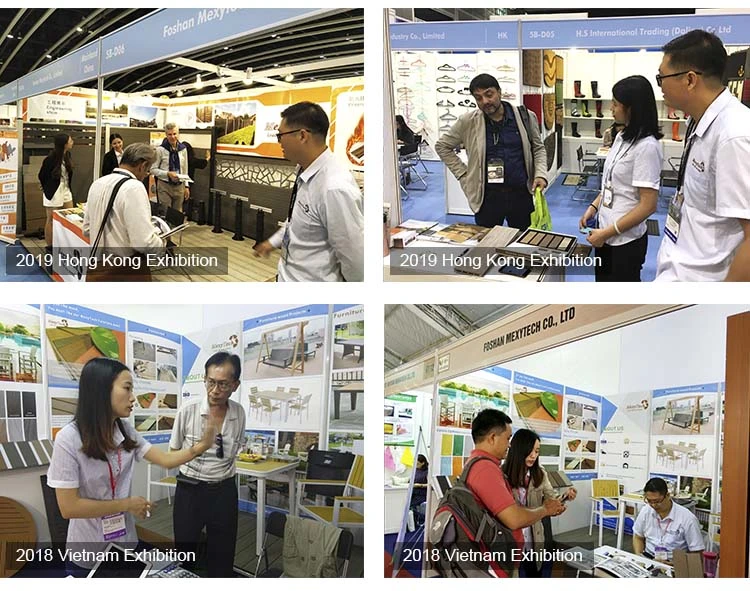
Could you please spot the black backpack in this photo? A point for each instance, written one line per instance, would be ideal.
(465, 539)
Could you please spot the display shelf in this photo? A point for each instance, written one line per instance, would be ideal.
(582, 118)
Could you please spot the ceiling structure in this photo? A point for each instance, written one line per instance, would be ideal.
(322, 48)
(412, 330)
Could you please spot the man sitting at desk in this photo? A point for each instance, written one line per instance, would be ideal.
(663, 525)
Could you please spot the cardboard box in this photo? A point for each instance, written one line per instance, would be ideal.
(687, 565)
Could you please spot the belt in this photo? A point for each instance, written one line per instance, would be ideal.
(196, 482)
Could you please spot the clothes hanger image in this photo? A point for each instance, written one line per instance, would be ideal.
(446, 68)
(446, 90)
(445, 103)
(447, 116)
(445, 79)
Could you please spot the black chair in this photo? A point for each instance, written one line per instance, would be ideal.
(327, 465)
(58, 525)
(587, 167)
(408, 160)
(275, 525)
(670, 176)
(174, 217)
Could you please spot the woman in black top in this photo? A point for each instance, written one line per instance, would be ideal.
(56, 176)
(404, 134)
(112, 158)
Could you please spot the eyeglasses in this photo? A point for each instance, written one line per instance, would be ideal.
(278, 135)
(659, 77)
(223, 386)
(220, 444)
(654, 502)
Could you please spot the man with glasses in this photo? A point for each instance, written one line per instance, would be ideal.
(663, 526)
(323, 239)
(206, 490)
(707, 233)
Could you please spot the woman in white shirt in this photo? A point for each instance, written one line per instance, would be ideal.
(630, 184)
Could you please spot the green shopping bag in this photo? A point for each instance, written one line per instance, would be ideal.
(540, 217)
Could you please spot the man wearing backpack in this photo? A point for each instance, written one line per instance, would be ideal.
(507, 160)
(491, 432)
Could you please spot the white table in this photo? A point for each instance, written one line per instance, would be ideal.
(284, 397)
(262, 471)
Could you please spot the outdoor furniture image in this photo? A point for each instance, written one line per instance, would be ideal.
(351, 388)
(6, 365)
(292, 357)
(351, 347)
(689, 417)
(281, 400)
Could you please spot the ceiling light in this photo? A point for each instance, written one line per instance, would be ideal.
(248, 79)
(49, 57)
(180, 93)
(276, 65)
(322, 57)
(223, 88)
(79, 29)
(11, 37)
(274, 36)
(288, 77)
(198, 81)
(174, 65)
(226, 49)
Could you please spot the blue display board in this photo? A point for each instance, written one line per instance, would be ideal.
(74, 68)
(175, 31)
(9, 93)
(620, 33)
(452, 36)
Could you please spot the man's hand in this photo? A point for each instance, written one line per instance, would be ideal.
(572, 493)
(187, 193)
(263, 249)
(208, 154)
(553, 507)
(172, 175)
(538, 182)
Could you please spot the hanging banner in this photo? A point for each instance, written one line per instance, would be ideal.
(154, 355)
(537, 404)
(346, 403)
(23, 414)
(57, 108)
(347, 127)
(283, 358)
(453, 36)
(8, 182)
(76, 335)
(78, 66)
(399, 426)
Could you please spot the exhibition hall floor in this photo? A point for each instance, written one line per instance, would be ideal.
(429, 205)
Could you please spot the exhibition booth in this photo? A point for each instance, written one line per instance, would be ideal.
(561, 68)
(618, 394)
(240, 185)
(297, 362)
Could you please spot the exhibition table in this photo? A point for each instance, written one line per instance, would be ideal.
(67, 233)
(284, 397)
(396, 499)
(351, 346)
(351, 388)
(269, 470)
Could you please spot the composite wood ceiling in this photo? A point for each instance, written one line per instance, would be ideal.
(30, 35)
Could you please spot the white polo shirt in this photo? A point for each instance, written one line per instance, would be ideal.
(630, 166)
(716, 196)
(679, 530)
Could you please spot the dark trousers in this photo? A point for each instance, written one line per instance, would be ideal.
(212, 506)
(527, 569)
(622, 263)
(513, 204)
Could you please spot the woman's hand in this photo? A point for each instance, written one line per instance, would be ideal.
(139, 507)
(587, 215)
(597, 238)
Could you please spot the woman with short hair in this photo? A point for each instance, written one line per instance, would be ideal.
(630, 184)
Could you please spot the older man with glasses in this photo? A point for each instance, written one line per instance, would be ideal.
(206, 491)
(663, 526)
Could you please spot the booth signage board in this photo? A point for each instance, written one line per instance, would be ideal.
(175, 31)
(9, 93)
(76, 67)
(648, 32)
(8, 182)
(455, 36)
(541, 328)
(411, 376)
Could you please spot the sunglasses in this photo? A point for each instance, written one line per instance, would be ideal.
(220, 444)
(659, 77)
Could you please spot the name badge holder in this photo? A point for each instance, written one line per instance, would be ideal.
(495, 171)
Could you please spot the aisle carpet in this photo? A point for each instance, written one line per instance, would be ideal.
(430, 205)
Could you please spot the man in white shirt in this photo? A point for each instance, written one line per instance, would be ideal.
(129, 231)
(323, 239)
(663, 526)
(707, 234)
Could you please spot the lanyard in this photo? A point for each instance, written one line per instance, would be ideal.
(112, 479)
(663, 531)
(617, 158)
(293, 199)
(689, 139)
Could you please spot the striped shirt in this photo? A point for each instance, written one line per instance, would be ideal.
(188, 429)
(71, 468)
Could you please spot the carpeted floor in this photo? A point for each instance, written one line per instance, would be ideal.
(565, 212)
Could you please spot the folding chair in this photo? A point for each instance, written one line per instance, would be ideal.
(587, 167)
(341, 514)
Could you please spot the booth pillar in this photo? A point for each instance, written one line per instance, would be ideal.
(735, 496)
